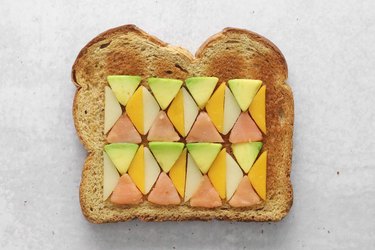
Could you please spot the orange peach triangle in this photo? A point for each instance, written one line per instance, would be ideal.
(245, 130)
(164, 192)
(126, 193)
(203, 130)
(245, 195)
(123, 131)
(206, 195)
(162, 129)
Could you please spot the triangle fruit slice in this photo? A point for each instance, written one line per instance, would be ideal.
(112, 109)
(164, 90)
(121, 154)
(123, 131)
(135, 111)
(206, 195)
(142, 109)
(126, 193)
(123, 86)
(110, 176)
(178, 173)
(233, 176)
(244, 91)
(245, 195)
(162, 129)
(246, 153)
(166, 153)
(164, 192)
(151, 109)
(203, 130)
(231, 111)
(258, 175)
(176, 113)
(215, 107)
(245, 130)
(152, 170)
(190, 111)
(204, 154)
(193, 178)
(257, 109)
(137, 169)
(217, 173)
(201, 88)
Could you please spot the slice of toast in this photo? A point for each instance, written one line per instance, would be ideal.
(232, 53)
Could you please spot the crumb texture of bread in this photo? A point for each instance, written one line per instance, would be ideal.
(232, 53)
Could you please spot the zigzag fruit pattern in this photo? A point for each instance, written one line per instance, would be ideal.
(165, 141)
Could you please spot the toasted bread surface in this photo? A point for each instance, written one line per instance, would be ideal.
(232, 53)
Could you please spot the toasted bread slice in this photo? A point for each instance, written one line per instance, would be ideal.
(232, 53)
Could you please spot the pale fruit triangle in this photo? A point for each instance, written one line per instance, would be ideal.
(164, 90)
(110, 176)
(112, 109)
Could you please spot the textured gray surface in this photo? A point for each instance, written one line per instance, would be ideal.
(329, 46)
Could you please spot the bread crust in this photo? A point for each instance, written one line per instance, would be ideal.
(232, 53)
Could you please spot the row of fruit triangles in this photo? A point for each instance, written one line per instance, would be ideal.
(223, 106)
(203, 130)
(204, 158)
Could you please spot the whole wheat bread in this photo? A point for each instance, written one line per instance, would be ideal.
(232, 53)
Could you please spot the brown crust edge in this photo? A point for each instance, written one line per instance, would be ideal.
(130, 27)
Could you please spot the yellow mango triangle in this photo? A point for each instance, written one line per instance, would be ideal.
(217, 173)
(134, 109)
(258, 175)
(176, 113)
(257, 109)
(215, 108)
(178, 173)
(137, 169)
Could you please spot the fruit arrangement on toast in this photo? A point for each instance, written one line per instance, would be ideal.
(176, 137)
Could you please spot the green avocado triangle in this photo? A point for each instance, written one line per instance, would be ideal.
(123, 86)
(121, 154)
(244, 91)
(246, 153)
(164, 90)
(204, 154)
(201, 88)
(166, 153)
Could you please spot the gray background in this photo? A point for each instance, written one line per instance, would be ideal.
(329, 47)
